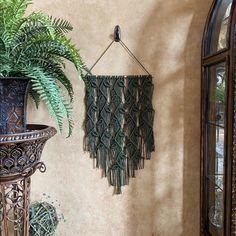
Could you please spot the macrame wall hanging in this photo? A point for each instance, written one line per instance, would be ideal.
(119, 122)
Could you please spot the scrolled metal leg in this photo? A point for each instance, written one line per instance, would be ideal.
(19, 158)
(14, 208)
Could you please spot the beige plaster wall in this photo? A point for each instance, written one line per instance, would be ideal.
(164, 198)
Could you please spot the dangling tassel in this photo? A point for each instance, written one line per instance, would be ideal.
(103, 124)
(132, 147)
(146, 117)
(117, 176)
(91, 134)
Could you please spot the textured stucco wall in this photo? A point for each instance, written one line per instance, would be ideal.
(164, 198)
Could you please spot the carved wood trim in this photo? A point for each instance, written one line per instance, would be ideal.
(233, 213)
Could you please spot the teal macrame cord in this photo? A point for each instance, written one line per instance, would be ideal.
(119, 125)
(103, 125)
(117, 171)
(90, 141)
(133, 138)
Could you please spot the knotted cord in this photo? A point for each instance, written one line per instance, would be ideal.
(119, 121)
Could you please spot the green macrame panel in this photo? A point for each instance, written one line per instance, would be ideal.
(119, 125)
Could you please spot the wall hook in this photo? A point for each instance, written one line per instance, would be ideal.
(117, 38)
(117, 34)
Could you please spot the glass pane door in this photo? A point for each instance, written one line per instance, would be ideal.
(215, 154)
(218, 30)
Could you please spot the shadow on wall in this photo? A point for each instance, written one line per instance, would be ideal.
(192, 126)
(166, 197)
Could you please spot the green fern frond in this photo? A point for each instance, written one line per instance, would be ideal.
(14, 13)
(35, 96)
(39, 24)
(62, 78)
(2, 45)
(54, 67)
(49, 92)
(36, 46)
(36, 23)
(6, 65)
(61, 47)
(69, 115)
(19, 8)
(60, 26)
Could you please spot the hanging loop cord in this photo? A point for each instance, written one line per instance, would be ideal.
(117, 38)
(101, 56)
(133, 56)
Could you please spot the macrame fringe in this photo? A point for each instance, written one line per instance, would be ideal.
(119, 125)
(91, 137)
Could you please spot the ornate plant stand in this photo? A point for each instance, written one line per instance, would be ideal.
(19, 159)
(20, 151)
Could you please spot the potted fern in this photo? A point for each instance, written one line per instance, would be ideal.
(32, 53)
